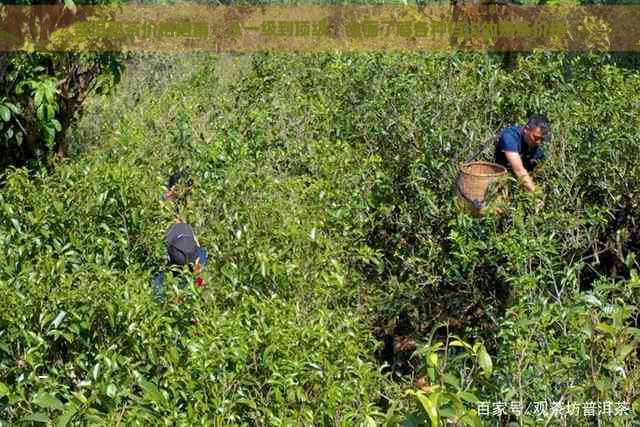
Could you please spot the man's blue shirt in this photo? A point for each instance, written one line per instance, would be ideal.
(512, 139)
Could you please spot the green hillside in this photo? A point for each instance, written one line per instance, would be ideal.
(344, 285)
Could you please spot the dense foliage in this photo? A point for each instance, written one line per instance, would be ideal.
(570, 269)
(42, 94)
(322, 190)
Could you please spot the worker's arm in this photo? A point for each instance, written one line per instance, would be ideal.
(518, 168)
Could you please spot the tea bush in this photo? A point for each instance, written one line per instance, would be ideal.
(83, 340)
(323, 193)
(420, 114)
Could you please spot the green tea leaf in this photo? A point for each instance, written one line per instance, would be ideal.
(485, 361)
(48, 401)
(12, 107)
(152, 392)
(625, 350)
(38, 98)
(429, 408)
(64, 419)
(5, 113)
(472, 419)
(111, 390)
(370, 422)
(606, 328)
(56, 322)
(433, 359)
(39, 417)
(468, 397)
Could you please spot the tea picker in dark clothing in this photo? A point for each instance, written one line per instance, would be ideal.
(183, 248)
(519, 148)
(173, 190)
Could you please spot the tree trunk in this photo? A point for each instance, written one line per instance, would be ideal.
(4, 64)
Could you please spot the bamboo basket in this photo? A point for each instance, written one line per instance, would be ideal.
(472, 183)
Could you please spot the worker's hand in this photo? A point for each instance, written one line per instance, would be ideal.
(170, 193)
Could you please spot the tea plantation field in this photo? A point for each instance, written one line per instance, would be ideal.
(344, 286)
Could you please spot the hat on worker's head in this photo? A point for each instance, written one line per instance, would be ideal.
(181, 177)
(181, 244)
(175, 178)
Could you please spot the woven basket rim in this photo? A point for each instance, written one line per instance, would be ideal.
(502, 169)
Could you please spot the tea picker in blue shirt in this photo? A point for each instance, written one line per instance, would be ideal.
(183, 248)
(519, 148)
